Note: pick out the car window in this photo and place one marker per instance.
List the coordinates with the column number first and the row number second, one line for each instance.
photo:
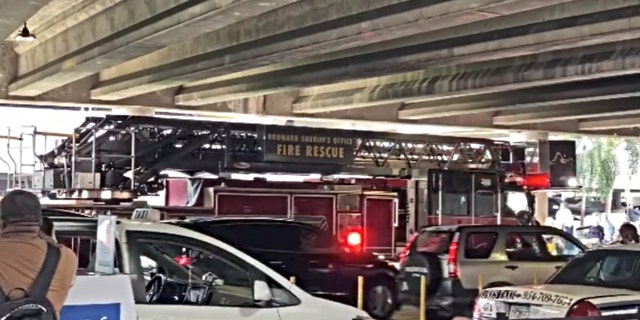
column 83, row 243
column 479, row 245
column 561, row 247
column 603, row 268
column 434, row 241
column 199, row 273
column 282, row 236
column 539, row 246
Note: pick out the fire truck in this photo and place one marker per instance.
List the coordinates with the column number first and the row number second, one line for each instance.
column 370, row 189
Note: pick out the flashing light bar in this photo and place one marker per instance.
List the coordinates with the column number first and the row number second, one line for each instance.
column 541, row 181
column 537, row 181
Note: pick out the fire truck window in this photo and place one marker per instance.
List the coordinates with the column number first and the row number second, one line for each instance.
column 479, row 245
column 349, row 203
column 456, row 189
column 485, row 204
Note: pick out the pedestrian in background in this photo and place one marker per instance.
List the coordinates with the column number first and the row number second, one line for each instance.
column 564, row 219
column 628, row 234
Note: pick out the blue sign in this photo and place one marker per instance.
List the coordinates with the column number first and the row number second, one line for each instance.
column 107, row 311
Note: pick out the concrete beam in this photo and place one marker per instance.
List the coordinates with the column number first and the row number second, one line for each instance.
column 251, row 38
column 103, row 41
column 346, row 24
column 610, row 124
column 488, row 80
column 15, row 12
column 60, row 15
column 436, row 51
column 618, row 107
column 579, row 92
column 386, row 112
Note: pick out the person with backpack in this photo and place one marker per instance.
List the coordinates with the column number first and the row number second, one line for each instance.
column 36, row 273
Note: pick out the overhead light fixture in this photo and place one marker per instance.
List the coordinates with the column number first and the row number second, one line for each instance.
column 25, row 35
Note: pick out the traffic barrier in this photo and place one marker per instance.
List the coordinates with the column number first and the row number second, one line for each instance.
column 292, row 279
column 535, row 279
column 423, row 297
column 361, row 292
column 480, row 282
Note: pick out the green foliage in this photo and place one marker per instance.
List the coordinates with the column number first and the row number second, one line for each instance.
column 633, row 153
column 605, row 165
column 585, row 170
column 597, row 164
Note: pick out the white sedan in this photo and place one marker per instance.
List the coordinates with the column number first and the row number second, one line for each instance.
column 600, row 282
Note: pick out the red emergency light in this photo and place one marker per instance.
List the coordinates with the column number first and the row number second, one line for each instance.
column 354, row 239
column 535, row 181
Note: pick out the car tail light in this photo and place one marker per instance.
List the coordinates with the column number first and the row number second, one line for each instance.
column 405, row 251
column 452, row 259
column 354, row 239
column 583, row 309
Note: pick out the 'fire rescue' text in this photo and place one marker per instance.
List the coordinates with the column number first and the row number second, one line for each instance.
column 308, row 146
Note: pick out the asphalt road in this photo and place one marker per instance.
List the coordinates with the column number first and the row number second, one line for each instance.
column 407, row 313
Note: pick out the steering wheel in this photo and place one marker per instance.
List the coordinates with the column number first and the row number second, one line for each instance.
column 154, row 287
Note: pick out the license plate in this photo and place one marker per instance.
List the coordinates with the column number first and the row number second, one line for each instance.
column 519, row 312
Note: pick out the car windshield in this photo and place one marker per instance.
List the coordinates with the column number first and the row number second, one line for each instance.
column 277, row 236
column 434, row 241
column 602, row 268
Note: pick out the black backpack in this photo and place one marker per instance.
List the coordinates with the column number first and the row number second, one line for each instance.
column 34, row 305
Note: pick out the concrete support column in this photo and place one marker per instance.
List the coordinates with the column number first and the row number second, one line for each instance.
column 8, row 63
column 542, row 197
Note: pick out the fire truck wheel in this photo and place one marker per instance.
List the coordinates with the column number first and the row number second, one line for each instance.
column 418, row 265
column 380, row 297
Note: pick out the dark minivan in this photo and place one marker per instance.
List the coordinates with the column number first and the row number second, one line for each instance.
column 311, row 255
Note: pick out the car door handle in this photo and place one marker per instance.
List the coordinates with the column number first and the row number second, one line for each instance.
column 511, row 267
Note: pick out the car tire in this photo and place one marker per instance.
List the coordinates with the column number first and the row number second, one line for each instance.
column 380, row 297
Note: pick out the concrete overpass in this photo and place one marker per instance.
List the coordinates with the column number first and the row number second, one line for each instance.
column 548, row 65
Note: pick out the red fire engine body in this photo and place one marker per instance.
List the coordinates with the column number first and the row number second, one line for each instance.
column 383, row 212
column 362, row 219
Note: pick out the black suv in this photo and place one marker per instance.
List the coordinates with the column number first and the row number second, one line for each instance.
column 311, row 255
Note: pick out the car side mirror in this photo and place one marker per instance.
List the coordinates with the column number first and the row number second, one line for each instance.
column 261, row 291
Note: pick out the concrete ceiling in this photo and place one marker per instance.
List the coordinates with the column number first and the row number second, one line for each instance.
column 541, row 65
